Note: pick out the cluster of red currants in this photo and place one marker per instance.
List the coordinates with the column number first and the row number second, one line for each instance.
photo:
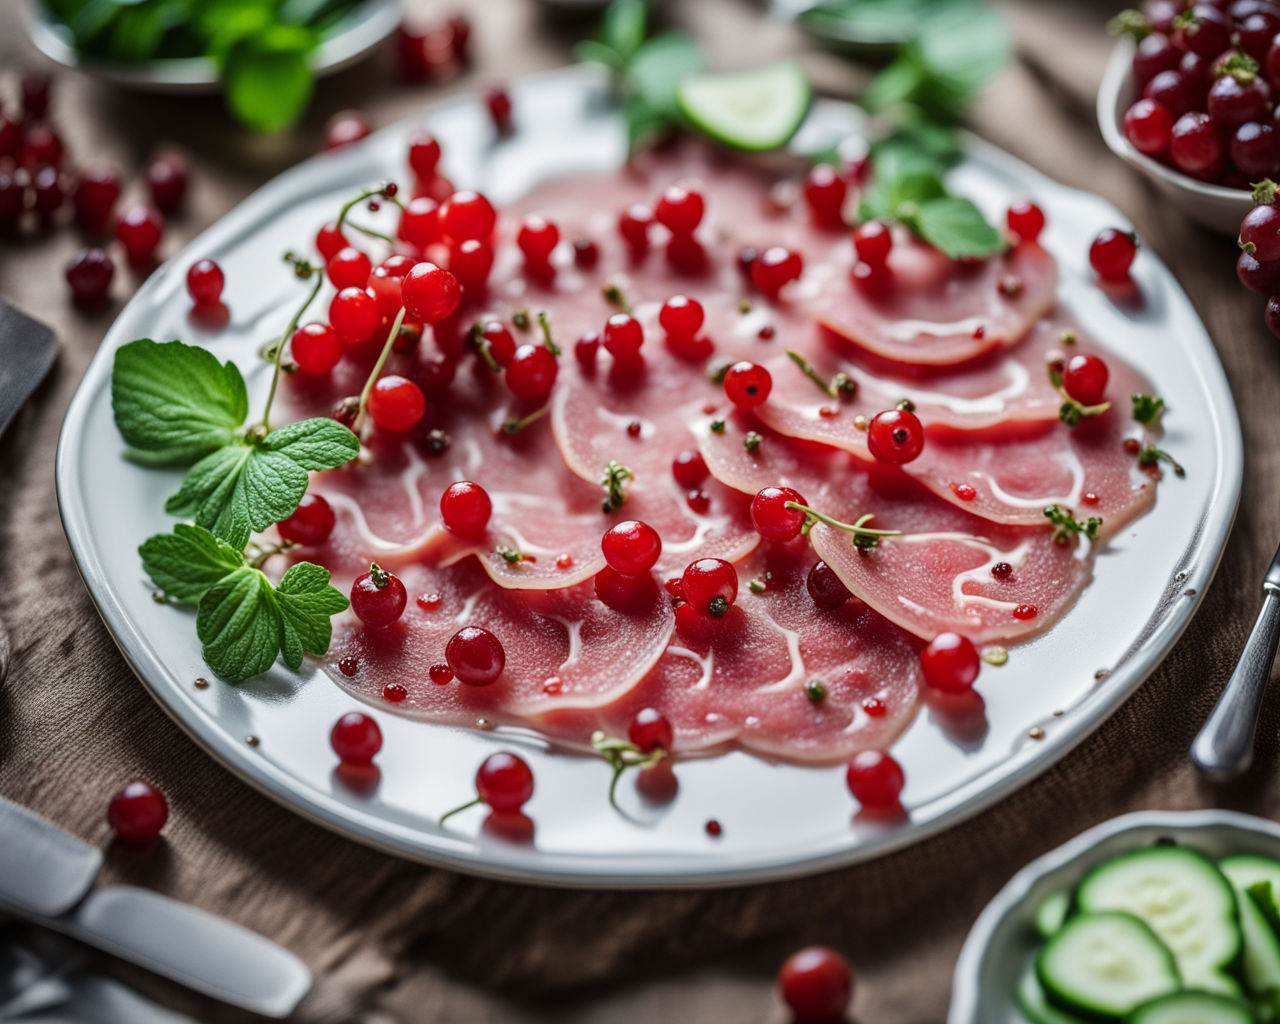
column 1258, row 266
column 1206, row 73
column 438, row 51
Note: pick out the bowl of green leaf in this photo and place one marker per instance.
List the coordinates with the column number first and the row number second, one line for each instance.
column 265, row 54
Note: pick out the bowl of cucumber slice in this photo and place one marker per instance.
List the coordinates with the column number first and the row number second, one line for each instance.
column 1158, row 917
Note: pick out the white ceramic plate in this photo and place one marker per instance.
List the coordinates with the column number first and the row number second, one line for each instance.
column 778, row 819
column 352, row 39
column 1004, row 936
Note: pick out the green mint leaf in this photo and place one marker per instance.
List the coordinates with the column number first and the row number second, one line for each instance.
column 956, row 228
column 963, row 48
column 657, row 67
column 317, row 443
column 175, row 403
column 238, row 623
column 588, row 51
column 208, row 494
column 186, row 563
column 268, row 77
column 306, row 603
column 897, row 83
column 891, row 191
column 623, row 26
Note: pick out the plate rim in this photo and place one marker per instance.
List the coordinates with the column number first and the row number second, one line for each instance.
column 1206, row 549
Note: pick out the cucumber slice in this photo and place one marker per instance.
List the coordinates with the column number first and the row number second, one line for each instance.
column 1261, row 944
column 1035, row 1004
column 1185, row 900
column 754, row 110
column 1192, row 1008
column 1051, row 913
column 1102, row 966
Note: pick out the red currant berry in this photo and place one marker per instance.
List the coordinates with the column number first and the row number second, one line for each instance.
column 1025, row 219
column 1147, row 125
column 680, row 209
column 824, row 191
column 1112, row 253
column 330, row 241
column 356, row 738
column 424, row 154
column 875, row 779
column 699, row 501
column 826, row 588
column 399, row 265
column 349, row 268
column 817, row 984
column 41, row 146
column 649, row 731
column 774, row 268
column 467, row 215
column 315, row 348
column 1196, row 146
column 895, row 436
column 950, row 663
column 872, row 241
column 631, row 595
column 475, row 655
column 623, row 336
column 396, row 403
column 420, row 222
column 1205, row 31
column 387, row 293
column 1003, row 570
column 531, row 374
column 502, row 346
column 139, row 230
column 167, row 178
column 771, row 517
column 498, row 100
column 747, row 385
column 585, row 254
column 1260, row 232
column 354, row 315
column 465, row 508
column 204, row 282
column 96, row 195
column 710, row 586
column 1263, row 278
column 429, row 293
column 586, row 349
column 681, row 317
column 344, row 128
column 138, row 812
column 504, row 782
column 377, row 597
column 689, row 468
column 631, row 548
column 311, row 522
column 471, row 262
column 633, row 224
column 89, row 273
column 537, row 238
column 1085, row 379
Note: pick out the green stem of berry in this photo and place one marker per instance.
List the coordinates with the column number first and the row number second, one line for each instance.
column 622, row 755
column 264, row 554
column 841, row 385
column 371, row 233
column 514, row 426
column 613, row 295
column 376, row 371
column 863, row 536
column 368, row 193
column 552, row 347
column 304, row 270
column 450, row 814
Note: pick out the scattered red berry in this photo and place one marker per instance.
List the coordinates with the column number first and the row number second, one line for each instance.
column 465, row 509
column 498, row 100
column 950, row 663
column 873, row 241
column 424, row 154
column 139, row 230
column 420, row 222
column 710, row 586
column 310, row 523
column 429, row 293
column 349, row 268
column 504, row 782
column 353, row 312
column 586, row 349
column 138, row 812
column 824, row 191
column 875, row 779
column 1025, row 219
column 649, row 730
column 502, row 346
column 1112, row 253
column 713, row 827
column 699, row 501
column 816, row 984
column 680, row 209
column 356, row 738
column 330, row 241
column 631, row 547
column 204, row 282
column 532, row 372
column 89, row 273
column 344, row 128
column 895, row 437
column 396, row 403
column 585, row 254
column 771, row 517
column 167, row 178
column 315, row 348
column 95, row 197
column 689, row 468
column 774, row 268
column 747, row 385
column 378, row 598
column 470, row 262
column 826, row 588
column 681, row 317
column 623, row 336
column 467, row 215
column 475, row 655
column 1085, row 379
column 633, row 224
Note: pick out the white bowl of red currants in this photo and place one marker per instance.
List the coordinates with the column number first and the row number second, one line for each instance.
column 1192, row 104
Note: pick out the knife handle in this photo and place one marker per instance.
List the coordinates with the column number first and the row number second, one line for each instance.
column 1224, row 748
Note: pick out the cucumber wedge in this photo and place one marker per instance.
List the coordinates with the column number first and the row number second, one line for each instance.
column 1103, row 966
column 755, row 110
column 1051, row 913
column 1261, row 944
column 1184, row 899
column 1035, row 1005
column 1192, row 1008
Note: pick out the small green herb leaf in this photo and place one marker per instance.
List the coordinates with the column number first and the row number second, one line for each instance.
column 314, row 444
column 1067, row 524
column 955, row 227
column 306, row 603
column 238, row 623
column 1147, row 408
column 186, row 563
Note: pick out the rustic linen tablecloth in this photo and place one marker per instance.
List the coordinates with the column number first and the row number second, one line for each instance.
column 391, row 941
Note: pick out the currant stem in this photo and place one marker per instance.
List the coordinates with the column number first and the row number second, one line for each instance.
column 377, row 369
column 808, row 370
column 514, row 426
column 613, row 295
column 284, row 340
column 857, row 529
column 264, row 554
column 551, row 346
column 371, row 233
column 451, row 813
column 366, row 194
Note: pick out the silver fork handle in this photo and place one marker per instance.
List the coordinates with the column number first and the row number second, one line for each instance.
column 1224, row 747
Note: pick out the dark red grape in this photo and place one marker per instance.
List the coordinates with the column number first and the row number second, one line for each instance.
column 1197, row 147
column 1255, row 150
column 1154, row 54
column 1263, row 278
column 1169, row 89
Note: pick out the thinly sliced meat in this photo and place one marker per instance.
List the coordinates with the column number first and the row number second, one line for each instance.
column 938, row 312
column 937, row 576
column 742, row 679
column 564, row 649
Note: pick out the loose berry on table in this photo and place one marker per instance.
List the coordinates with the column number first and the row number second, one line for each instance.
column 771, row 517
column 689, row 469
column 504, row 782
column 167, row 179
column 465, row 508
column 89, row 273
column 502, row 346
column 1025, row 219
column 498, row 100
column 586, row 349
column 623, row 336
column 139, row 230
column 137, row 813
column 824, row 192
column 895, row 437
column 680, row 209
column 378, row 598
column 681, row 317
column 424, row 154
column 356, row 738
column 872, row 241
column 204, row 282
column 631, row 547
column 1112, row 253
column 875, row 779
column 775, row 268
column 95, row 197
column 816, row 984
column 633, row 224
column 537, row 238
column 475, row 655
column 310, row 523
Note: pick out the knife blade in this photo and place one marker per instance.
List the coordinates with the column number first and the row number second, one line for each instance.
column 45, row 875
column 27, row 350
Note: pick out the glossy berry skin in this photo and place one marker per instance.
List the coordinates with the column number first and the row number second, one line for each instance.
column 1262, row 278
column 650, row 731
column 1112, row 253
column 95, row 197
column 532, row 372
column 895, row 437
column 816, row 984
column 633, row 225
column 586, row 350
column 330, row 241
column 353, row 312
column 356, row 738
column 1025, row 219
column 631, row 548
column 429, row 293
column 424, row 154
column 498, row 100
column 502, row 346
column 771, row 517
column 824, row 193
column 89, row 273
column 349, row 268
column 623, row 336
column 475, row 655
column 586, row 254
column 470, row 262
column 681, row 317
column 1197, row 146
column 41, row 146
column 1085, row 379
column 826, row 588
column 467, row 215
column 680, row 210
column 344, row 128
column 1208, row 34
column 167, row 179
column 747, row 385
column 1155, row 53
column 139, row 230
column 504, row 782
column 1271, row 316
column 689, row 468
column 710, row 586
column 1172, row 91
column 872, row 241
column 47, row 189
column 378, row 598
column 950, row 663
column 1260, row 232
column 1256, row 31
column 204, row 282
column 315, row 348
column 537, row 238
column 396, row 403
column 387, row 293
column 311, row 522
column 1233, row 102
column 1255, row 150
column 399, row 265
column 774, row 268
column 1148, row 125
column 874, row 778
column 137, row 813
column 465, row 509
